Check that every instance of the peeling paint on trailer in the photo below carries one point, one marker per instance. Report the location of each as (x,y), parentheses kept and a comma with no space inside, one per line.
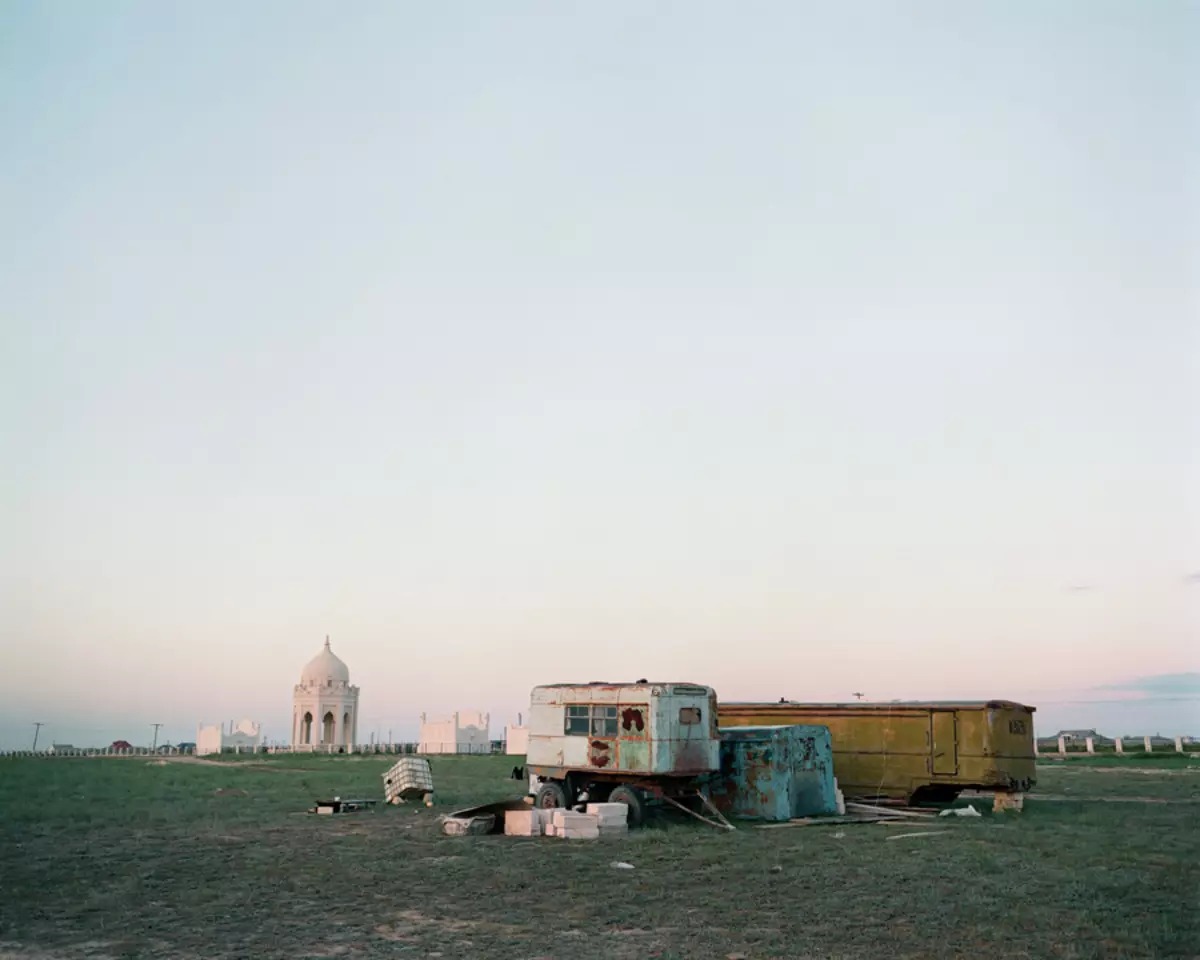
(650,729)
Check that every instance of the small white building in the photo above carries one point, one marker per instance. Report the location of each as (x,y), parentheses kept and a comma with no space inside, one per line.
(516,738)
(247,735)
(464,731)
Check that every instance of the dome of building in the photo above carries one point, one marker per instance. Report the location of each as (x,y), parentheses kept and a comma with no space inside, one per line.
(322,668)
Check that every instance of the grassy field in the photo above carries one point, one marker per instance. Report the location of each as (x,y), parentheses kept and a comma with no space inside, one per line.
(126,857)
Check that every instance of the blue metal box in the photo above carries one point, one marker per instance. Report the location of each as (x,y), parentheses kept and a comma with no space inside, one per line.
(775,773)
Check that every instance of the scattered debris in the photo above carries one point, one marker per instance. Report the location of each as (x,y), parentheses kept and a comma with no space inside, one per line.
(1008,801)
(924,833)
(531,822)
(817,822)
(890,811)
(338,805)
(885,817)
(840,835)
(485,818)
(967,811)
(611,818)
(464,826)
(723,825)
(621,865)
(409,779)
(599,820)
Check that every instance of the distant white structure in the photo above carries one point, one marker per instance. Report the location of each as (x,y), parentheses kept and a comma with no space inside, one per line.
(213,739)
(516,738)
(464,731)
(324,705)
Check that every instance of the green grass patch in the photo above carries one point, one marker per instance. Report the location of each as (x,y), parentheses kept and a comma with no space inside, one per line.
(127,858)
(1141,759)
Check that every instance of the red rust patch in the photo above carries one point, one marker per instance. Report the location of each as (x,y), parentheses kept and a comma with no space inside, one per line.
(633,717)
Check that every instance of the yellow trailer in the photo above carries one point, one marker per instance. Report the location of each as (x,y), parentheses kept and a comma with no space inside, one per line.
(913,751)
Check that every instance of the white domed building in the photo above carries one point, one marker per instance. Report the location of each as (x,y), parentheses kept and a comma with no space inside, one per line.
(324,705)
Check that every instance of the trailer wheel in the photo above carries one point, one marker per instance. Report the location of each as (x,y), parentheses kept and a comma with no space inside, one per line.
(632,799)
(550,796)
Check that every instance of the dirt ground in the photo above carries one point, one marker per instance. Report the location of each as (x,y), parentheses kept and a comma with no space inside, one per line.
(219,860)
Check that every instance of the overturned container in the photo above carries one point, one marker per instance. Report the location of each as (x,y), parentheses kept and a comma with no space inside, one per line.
(410,779)
(775,773)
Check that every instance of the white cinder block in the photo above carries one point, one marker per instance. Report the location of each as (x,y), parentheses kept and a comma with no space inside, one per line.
(580,833)
(566,818)
(606,811)
(550,830)
(522,823)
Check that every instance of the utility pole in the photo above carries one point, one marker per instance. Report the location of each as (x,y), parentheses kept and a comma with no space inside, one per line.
(37,728)
(154,745)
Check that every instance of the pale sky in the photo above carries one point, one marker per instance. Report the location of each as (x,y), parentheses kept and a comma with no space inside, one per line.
(798,349)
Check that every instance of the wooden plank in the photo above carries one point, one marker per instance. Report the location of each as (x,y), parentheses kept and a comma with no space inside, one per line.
(923,833)
(891,811)
(826,822)
(692,813)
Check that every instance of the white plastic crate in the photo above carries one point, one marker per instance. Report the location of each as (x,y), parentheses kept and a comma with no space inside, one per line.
(409,779)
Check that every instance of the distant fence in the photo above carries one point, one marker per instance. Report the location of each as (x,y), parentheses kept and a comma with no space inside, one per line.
(101,752)
(1075,746)
(432,749)
(424,747)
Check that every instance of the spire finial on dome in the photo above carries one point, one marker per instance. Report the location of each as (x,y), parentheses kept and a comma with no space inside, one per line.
(326,641)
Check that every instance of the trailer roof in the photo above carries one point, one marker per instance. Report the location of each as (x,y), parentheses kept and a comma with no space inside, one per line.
(877,704)
(618,683)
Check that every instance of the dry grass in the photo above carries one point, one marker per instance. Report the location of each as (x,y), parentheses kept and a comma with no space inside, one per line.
(120,859)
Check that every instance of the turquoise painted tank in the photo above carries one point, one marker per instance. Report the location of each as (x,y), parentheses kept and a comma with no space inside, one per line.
(775,773)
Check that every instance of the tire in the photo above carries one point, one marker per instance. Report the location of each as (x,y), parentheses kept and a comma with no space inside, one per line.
(550,796)
(632,799)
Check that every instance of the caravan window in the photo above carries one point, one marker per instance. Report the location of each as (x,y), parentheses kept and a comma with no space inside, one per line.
(583,720)
(577,721)
(604,721)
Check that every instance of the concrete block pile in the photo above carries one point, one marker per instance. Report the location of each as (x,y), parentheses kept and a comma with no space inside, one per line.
(611,818)
(599,820)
